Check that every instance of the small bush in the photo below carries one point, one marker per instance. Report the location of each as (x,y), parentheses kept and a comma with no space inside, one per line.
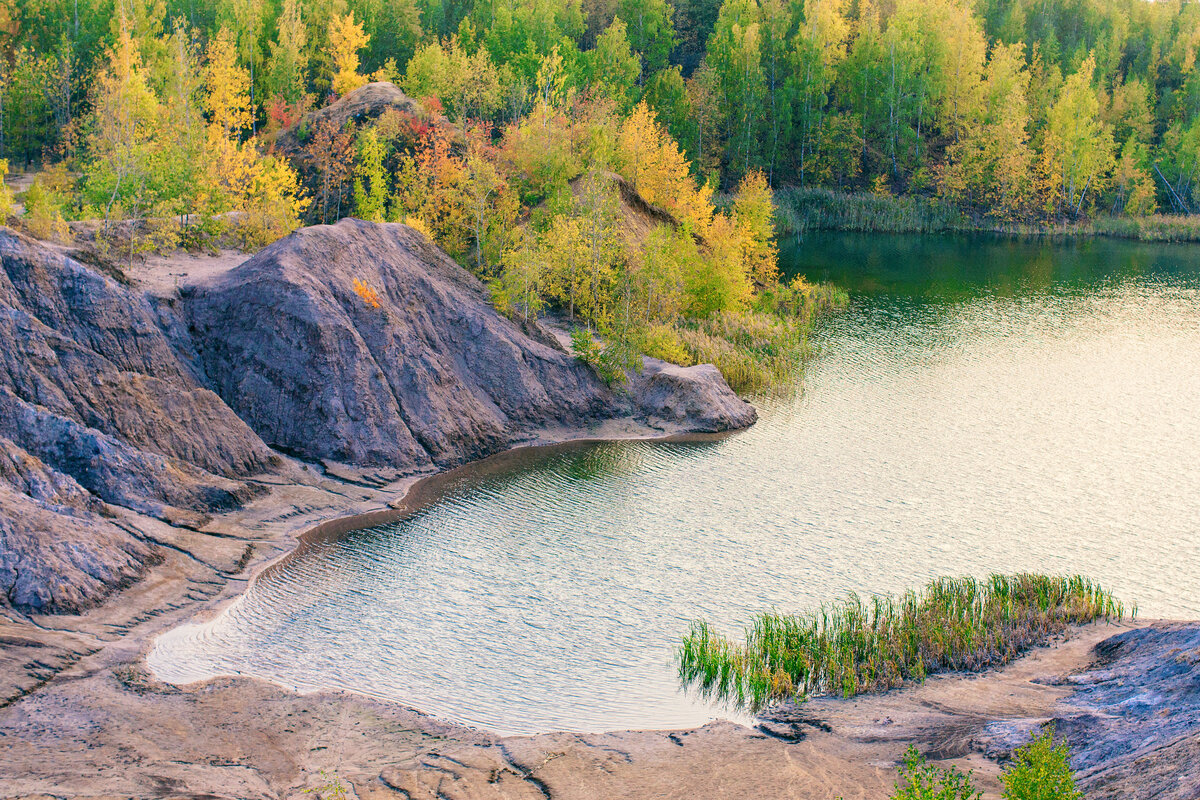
(368,294)
(610,362)
(662,341)
(1041,771)
(45,202)
(6,194)
(922,781)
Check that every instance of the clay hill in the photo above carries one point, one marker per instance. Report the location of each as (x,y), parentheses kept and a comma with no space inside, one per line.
(115,400)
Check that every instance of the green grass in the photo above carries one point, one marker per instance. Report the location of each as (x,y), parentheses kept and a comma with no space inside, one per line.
(857,646)
(799,211)
(759,349)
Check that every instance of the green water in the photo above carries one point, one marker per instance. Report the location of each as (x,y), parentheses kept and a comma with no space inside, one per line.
(983,405)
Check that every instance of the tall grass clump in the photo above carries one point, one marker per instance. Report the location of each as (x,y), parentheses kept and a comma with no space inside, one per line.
(800,210)
(759,348)
(753,350)
(855,646)
(1152,228)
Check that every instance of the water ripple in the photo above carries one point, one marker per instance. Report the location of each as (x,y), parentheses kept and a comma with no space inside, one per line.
(988,423)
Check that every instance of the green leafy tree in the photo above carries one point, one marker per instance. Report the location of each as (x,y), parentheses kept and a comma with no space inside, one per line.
(735,54)
(289,55)
(370,181)
(818,49)
(614,68)
(651,31)
(1041,770)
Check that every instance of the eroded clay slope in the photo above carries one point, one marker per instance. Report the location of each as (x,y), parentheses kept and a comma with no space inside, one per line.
(167,404)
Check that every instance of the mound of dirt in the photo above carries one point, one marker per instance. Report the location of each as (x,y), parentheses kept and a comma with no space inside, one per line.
(432,376)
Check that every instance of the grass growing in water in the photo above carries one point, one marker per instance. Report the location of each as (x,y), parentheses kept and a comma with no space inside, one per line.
(805,209)
(857,646)
(801,210)
(755,349)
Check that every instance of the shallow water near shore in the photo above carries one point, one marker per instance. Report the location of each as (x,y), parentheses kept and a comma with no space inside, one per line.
(984,405)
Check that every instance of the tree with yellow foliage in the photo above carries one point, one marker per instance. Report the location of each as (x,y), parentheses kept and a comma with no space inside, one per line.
(227,100)
(721,283)
(263,190)
(346,38)
(652,162)
(753,215)
(123,145)
(818,48)
(991,165)
(1078,142)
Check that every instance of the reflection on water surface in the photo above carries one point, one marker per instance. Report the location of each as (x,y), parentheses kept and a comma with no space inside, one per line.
(984,405)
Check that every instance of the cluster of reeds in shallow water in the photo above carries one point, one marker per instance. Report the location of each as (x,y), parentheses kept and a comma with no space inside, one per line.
(857,646)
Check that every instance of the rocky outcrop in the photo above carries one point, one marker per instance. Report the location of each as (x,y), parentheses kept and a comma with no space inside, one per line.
(364,104)
(1132,718)
(433,376)
(84,349)
(96,405)
(696,397)
(357,343)
(58,551)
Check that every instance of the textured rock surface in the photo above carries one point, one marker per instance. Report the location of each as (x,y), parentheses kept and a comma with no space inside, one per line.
(79,347)
(1133,718)
(95,404)
(57,553)
(433,377)
(695,396)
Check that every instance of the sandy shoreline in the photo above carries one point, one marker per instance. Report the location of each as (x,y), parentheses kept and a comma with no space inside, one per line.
(95,722)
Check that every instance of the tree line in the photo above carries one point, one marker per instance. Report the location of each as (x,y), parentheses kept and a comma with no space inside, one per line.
(1014,109)
(614,159)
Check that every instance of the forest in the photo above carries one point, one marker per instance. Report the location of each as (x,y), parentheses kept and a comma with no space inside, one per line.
(171,122)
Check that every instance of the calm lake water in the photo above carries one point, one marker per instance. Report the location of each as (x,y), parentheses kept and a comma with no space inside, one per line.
(984,405)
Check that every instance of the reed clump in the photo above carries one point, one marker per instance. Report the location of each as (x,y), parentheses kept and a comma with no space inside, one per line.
(758,348)
(800,210)
(856,646)
(1153,228)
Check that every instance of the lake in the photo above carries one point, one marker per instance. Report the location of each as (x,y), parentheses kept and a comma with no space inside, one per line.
(983,405)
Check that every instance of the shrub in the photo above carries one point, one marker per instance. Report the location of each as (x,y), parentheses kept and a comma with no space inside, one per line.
(610,362)
(44,204)
(922,781)
(1041,771)
(6,195)
(368,294)
(662,341)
